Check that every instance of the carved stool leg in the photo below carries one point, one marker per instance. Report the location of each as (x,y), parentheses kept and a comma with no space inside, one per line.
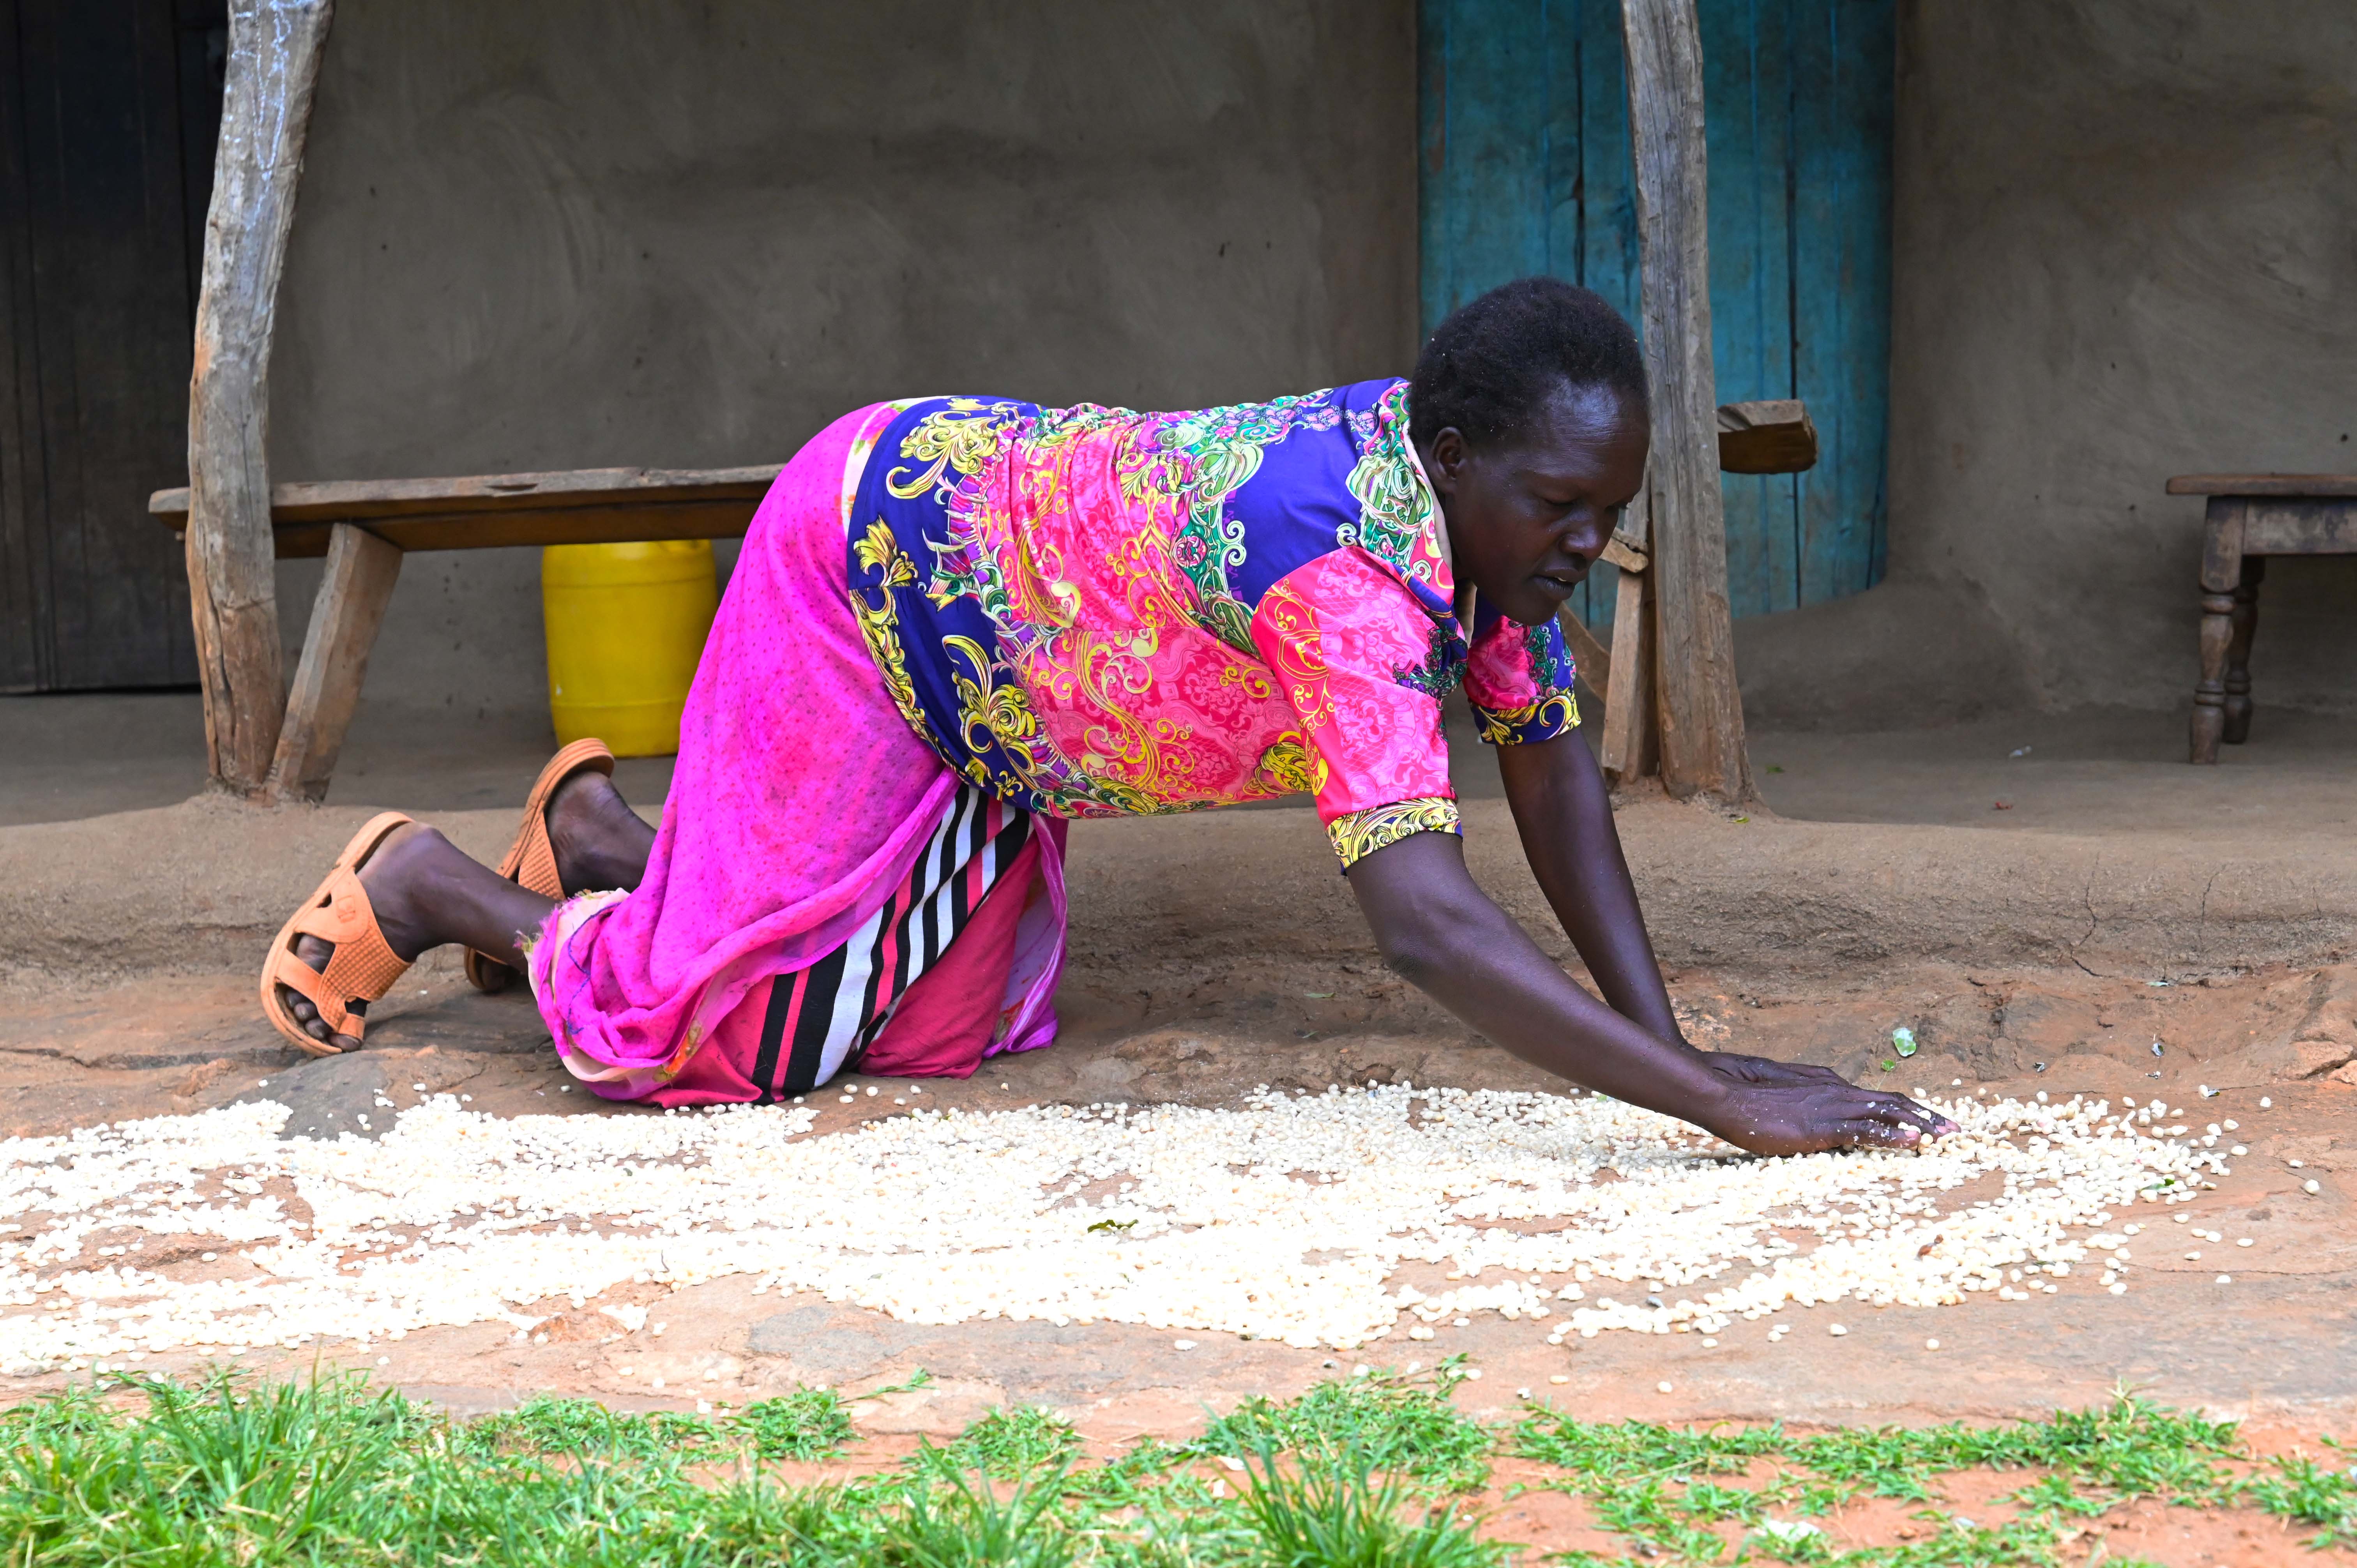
(2210,696)
(2238,652)
(2221,572)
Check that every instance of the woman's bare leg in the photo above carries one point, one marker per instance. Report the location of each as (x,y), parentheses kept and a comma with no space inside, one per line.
(426,891)
(601,842)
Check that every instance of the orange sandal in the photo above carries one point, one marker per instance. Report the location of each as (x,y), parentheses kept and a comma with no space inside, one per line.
(531,861)
(362,968)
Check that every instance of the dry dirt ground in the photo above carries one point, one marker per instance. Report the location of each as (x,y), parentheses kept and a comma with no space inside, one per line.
(1215,955)
(2281,1343)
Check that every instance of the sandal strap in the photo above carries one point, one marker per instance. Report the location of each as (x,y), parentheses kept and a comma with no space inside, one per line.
(362,968)
(309,982)
(537,871)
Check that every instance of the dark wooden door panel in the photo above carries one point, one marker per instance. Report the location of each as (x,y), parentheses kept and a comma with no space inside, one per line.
(95,230)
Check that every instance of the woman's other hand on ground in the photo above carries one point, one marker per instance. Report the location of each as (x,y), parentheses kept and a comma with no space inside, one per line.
(1780,1108)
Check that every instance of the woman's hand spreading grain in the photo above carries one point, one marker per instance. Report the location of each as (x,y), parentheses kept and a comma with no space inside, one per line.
(1443,933)
(1810,1115)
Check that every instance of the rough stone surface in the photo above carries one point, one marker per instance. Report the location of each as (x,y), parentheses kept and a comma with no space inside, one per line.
(331,1097)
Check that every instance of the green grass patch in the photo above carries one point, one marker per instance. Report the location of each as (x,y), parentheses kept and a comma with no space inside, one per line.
(1354,1472)
(809,1423)
(1333,1510)
(1015,1443)
(1407,1426)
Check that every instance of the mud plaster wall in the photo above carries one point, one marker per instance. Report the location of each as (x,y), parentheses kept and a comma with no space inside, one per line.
(2125,240)
(593,233)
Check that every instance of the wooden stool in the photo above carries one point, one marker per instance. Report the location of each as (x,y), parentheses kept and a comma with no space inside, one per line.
(2252,517)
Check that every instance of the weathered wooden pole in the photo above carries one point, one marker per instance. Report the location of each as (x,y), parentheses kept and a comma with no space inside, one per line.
(273,63)
(1701,710)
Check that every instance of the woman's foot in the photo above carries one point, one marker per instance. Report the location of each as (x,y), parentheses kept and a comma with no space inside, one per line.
(600,841)
(425,891)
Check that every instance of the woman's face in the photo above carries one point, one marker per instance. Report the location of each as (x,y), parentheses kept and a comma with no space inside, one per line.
(1528,516)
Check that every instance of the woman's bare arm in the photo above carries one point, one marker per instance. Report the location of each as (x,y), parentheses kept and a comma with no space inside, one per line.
(1565,815)
(1443,933)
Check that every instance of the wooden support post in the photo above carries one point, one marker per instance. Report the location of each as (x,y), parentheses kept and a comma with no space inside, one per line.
(273,63)
(1632,744)
(1701,709)
(1589,657)
(361,570)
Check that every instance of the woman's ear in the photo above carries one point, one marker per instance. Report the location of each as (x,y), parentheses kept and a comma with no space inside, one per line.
(1444,458)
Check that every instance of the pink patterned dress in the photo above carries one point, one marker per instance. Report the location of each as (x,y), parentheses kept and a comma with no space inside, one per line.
(958,622)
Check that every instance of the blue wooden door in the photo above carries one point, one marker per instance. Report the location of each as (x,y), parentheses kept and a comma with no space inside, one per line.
(1525,169)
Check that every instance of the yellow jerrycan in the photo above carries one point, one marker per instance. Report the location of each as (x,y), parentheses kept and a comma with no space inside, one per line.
(626,625)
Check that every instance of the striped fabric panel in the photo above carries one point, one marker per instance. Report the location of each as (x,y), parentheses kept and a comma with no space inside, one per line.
(828,1014)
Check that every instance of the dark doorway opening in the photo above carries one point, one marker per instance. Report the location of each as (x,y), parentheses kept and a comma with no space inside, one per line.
(109,111)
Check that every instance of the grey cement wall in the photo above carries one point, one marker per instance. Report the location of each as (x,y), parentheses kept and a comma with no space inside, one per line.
(553,234)
(576,234)
(2125,248)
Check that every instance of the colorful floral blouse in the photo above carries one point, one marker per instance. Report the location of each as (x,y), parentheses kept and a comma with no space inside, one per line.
(1091,612)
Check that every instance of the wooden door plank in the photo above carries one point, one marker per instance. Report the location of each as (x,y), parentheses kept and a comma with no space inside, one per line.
(345,615)
(1482,198)
(1844,62)
(99,353)
(1594,234)
(115,314)
(1746,58)
(1605,253)
(273,65)
(1701,710)
(25,630)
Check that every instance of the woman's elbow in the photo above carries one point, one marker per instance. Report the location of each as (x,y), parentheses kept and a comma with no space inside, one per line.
(1415,951)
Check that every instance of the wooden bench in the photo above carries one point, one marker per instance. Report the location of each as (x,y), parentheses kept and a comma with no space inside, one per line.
(364,527)
(2252,517)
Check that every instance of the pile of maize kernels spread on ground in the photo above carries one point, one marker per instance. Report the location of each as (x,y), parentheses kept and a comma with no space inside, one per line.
(1289,1218)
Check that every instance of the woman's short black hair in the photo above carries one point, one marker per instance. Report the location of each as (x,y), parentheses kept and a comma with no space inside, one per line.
(1488,368)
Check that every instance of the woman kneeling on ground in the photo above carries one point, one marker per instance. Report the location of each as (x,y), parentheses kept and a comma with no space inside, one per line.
(959,622)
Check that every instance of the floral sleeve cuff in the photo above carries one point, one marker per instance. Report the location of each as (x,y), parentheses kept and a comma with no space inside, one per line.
(1553,714)
(1360,834)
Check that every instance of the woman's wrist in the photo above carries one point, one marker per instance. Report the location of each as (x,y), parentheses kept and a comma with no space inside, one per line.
(1691,1088)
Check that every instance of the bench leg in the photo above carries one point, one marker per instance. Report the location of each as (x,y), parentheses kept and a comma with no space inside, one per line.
(361,570)
(2245,619)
